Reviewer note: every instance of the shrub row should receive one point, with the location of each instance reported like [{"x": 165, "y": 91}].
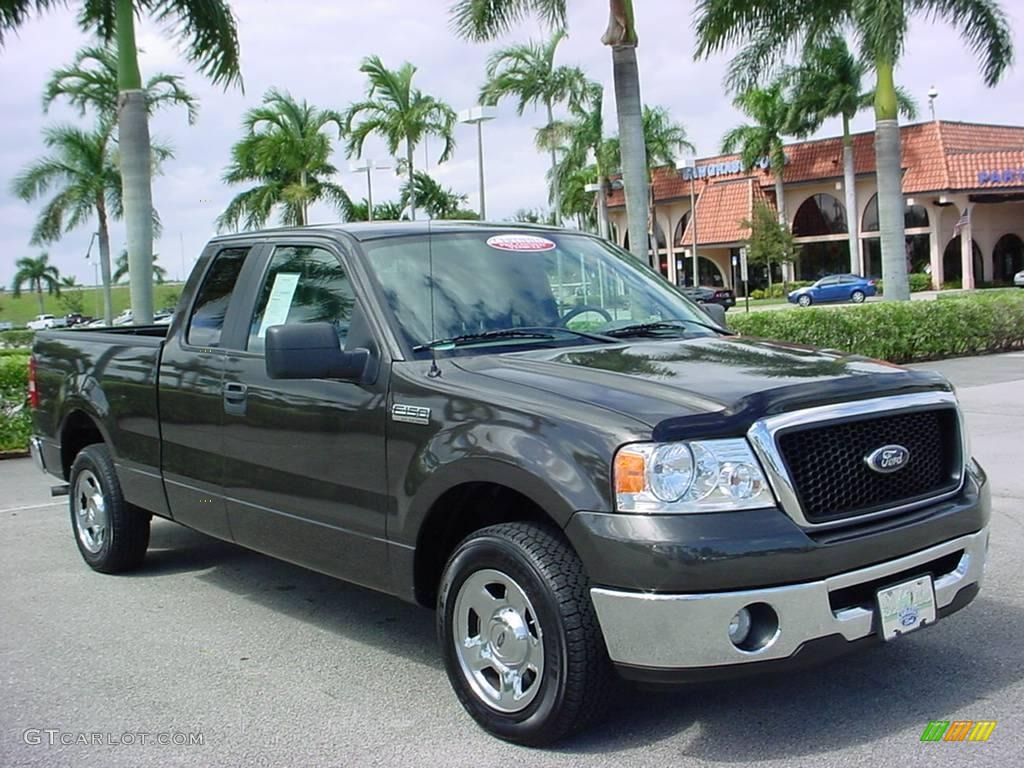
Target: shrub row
[
  {"x": 900, "y": 332},
  {"x": 15, "y": 418},
  {"x": 16, "y": 338}
]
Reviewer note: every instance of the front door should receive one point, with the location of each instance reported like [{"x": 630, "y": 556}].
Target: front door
[{"x": 304, "y": 459}]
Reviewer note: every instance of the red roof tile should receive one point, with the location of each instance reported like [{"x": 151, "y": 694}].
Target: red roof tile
[{"x": 721, "y": 209}]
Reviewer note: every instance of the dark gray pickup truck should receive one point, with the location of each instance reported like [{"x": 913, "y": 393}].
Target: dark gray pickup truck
[{"x": 588, "y": 476}]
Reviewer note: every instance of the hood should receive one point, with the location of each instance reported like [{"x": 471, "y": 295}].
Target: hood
[{"x": 668, "y": 384}]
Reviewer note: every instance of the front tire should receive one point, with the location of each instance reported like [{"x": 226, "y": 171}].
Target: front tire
[
  {"x": 805, "y": 300},
  {"x": 521, "y": 642},
  {"x": 111, "y": 534}
]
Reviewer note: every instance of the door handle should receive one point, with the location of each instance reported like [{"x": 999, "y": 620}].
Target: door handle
[{"x": 234, "y": 392}]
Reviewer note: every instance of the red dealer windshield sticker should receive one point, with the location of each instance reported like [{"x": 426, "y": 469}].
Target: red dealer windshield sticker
[{"x": 520, "y": 243}]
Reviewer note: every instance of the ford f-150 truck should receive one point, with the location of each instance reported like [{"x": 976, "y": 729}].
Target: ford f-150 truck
[{"x": 588, "y": 476}]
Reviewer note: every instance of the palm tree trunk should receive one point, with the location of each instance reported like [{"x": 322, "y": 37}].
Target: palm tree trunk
[
  {"x": 136, "y": 165},
  {"x": 412, "y": 181},
  {"x": 104, "y": 239},
  {"x": 305, "y": 202},
  {"x": 603, "y": 227},
  {"x": 780, "y": 203},
  {"x": 890, "y": 185},
  {"x": 39, "y": 296},
  {"x": 850, "y": 184},
  {"x": 621, "y": 36},
  {"x": 556, "y": 195}
]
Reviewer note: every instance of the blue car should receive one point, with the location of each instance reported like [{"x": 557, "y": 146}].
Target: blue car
[{"x": 835, "y": 288}]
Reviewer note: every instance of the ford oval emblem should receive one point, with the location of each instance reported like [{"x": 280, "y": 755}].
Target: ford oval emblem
[{"x": 888, "y": 459}]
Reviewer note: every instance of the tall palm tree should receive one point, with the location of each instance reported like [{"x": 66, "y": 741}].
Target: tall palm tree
[
  {"x": 121, "y": 269},
  {"x": 286, "y": 152},
  {"x": 400, "y": 114},
  {"x": 206, "y": 33},
  {"x": 771, "y": 28},
  {"x": 527, "y": 73},
  {"x": 754, "y": 142},
  {"x": 828, "y": 82},
  {"x": 37, "y": 272},
  {"x": 481, "y": 20},
  {"x": 83, "y": 173},
  {"x": 90, "y": 83}
]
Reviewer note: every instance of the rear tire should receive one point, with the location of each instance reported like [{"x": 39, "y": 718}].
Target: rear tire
[
  {"x": 521, "y": 642},
  {"x": 111, "y": 534},
  {"x": 857, "y": 297}
]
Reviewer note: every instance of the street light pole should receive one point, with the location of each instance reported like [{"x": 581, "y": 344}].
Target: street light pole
[
  {"x": 478, "y": 116},
  {"x": 368, "y": 168}
]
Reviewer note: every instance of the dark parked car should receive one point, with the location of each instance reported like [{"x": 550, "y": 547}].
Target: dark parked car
[
  {"x": 623, "y": 487},
  {"x": 723, "y": 297},
  {"x": 835, "y": 288}
]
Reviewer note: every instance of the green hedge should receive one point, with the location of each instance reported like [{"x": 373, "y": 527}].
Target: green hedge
[
  {"x": 16, "y": 338},
  {"x": 900, "y": 332},
  {"x": 15, "y": 419}
]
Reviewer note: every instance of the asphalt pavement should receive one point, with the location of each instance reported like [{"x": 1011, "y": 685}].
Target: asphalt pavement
[{"x": 269, "y": 665}]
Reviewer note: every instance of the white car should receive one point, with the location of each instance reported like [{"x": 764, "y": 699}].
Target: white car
[
  {"x": 41, "y": 323},
  {"x": 1018, "y": 279}
]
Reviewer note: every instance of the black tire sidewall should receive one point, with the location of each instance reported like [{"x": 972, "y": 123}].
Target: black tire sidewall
[{"x": 493, "y": 552}]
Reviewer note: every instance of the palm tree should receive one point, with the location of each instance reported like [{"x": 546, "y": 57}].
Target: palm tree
[
  {"x": 435, "y": 200},
  {"x": 121, "y": 269},
  {"x": 69, "y": 281},
  {"x": 771, "y": 28},
  {"x": 287, "y": 154},
  {"x": 37, "y": 272},
  {"x": 90, "y": 83},
  {"x": 84, "y": 175},
  {"x": 527, "y": 73},
  {"x": 828, "y": 83},
  {"x": 207, "y": 34},
  {"x": 389, "y": 210},
  {"x": 771, "y": 113},
  {"x": 398, "y": 113},
  {"x": 481, "y": 20}
]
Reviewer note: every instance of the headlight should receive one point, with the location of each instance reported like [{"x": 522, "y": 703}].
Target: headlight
[{"x": 693, "y": 476}]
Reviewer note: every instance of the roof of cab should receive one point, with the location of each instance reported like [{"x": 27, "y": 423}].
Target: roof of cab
[{"x": 363, "y": 230}]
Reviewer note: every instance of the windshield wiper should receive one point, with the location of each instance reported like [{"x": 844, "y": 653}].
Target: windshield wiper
[
  {"x": 639, "y": 329},
  {"x": 484, "y": 336}
]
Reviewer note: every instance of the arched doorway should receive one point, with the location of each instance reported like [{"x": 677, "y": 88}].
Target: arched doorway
[
  {"x": 711, "y": 274},
  {"x": 1007, "y": 258},
  {"x": 677, "y": 237},
  {"x": 952, "y": 264},
  {"x": 821, "y": 216},
  {"x": 915, "y": 222}
]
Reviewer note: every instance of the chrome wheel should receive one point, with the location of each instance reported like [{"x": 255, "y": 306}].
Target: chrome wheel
[
  {"x": 498, "y": 640},
  {"x": 92, "y": 523},
  {"x": 857, "y": 297}
]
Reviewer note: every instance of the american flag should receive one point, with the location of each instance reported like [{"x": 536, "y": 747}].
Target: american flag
[{"x": 962, "y": 222}]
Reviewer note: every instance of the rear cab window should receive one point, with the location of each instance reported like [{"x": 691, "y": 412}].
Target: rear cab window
[{"x": 206, "y": 323}]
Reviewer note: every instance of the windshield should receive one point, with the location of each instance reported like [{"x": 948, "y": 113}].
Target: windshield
[{"x": 487, "y": 282}]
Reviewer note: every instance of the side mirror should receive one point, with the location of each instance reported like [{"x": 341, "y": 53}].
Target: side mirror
[
  {"x": 716, "y": 312},
  {"x": 311, "y": 351}
]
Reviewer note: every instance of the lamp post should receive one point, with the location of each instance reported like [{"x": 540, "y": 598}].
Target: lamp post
[
  {"x": 478, "y": 116},
  {"x": 933, "y": 94},
  {"x": 368, "y": 167},
  {"x": 95, "y": 271},
  {"x": 690, "y": 163}
]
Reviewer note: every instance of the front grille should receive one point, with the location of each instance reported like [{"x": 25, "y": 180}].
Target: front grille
[{"x": 832, "y": 481}]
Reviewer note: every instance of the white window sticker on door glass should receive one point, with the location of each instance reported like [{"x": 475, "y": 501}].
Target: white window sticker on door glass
[{"x": 280, "y": 303}]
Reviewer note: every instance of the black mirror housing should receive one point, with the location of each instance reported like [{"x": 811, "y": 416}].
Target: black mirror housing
[
  {"x": 311, "y": 351},
  {"x": 716, "y": 312}
]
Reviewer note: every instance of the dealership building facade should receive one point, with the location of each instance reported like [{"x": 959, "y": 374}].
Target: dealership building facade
[{"x": 963, "y": 189}]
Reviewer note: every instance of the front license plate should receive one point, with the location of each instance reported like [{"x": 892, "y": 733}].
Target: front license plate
[{"x": 905, "y": 607}]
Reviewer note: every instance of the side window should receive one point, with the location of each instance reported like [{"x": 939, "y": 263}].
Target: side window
[
  {"x": 211, "y": 305},
  {"x": 304, "y": 284},
  {"x": 829, "y": 281}
]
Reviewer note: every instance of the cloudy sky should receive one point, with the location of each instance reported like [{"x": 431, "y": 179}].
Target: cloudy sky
[{"x": 313, "y": 49}]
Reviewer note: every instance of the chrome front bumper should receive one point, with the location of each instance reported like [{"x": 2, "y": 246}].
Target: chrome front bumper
[{"x": 679, "y": 631}]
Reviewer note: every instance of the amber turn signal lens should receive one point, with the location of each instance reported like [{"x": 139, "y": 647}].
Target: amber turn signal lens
[{"x": 629, "y": 472}]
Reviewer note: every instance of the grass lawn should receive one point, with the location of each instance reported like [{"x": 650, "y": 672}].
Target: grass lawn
[{"x": 22, "y": 309}]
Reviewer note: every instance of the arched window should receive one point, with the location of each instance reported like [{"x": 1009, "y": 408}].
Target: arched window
[
  {"x": 915, "y": 216},
  {"x": 711, "y": 274},
  {"x": 659, "y": 236},
  {"x": 1007, "y": 258},
  {"x": 952, "y": 264},
  {"x": 677, "y": 238},
  {"x": 820, "y": 215}
]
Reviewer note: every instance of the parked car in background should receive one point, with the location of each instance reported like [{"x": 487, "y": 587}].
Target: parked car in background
[
  {"x": 8, "y": 326},
  {"x": 835, "y": 288},
  {"x": 703, "y": 294},
  {"x": 125, "y": 318},
  {"x": 1018, "y": 279},
  {"x": 41, "y": 323},
  {"x": 76, "y": 318}
]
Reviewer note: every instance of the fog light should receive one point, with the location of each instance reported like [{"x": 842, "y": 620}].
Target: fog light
[{"x": 739, "y": 627}]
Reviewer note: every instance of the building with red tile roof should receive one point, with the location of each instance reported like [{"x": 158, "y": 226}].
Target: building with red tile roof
[{"x": 963, "y": 185}]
